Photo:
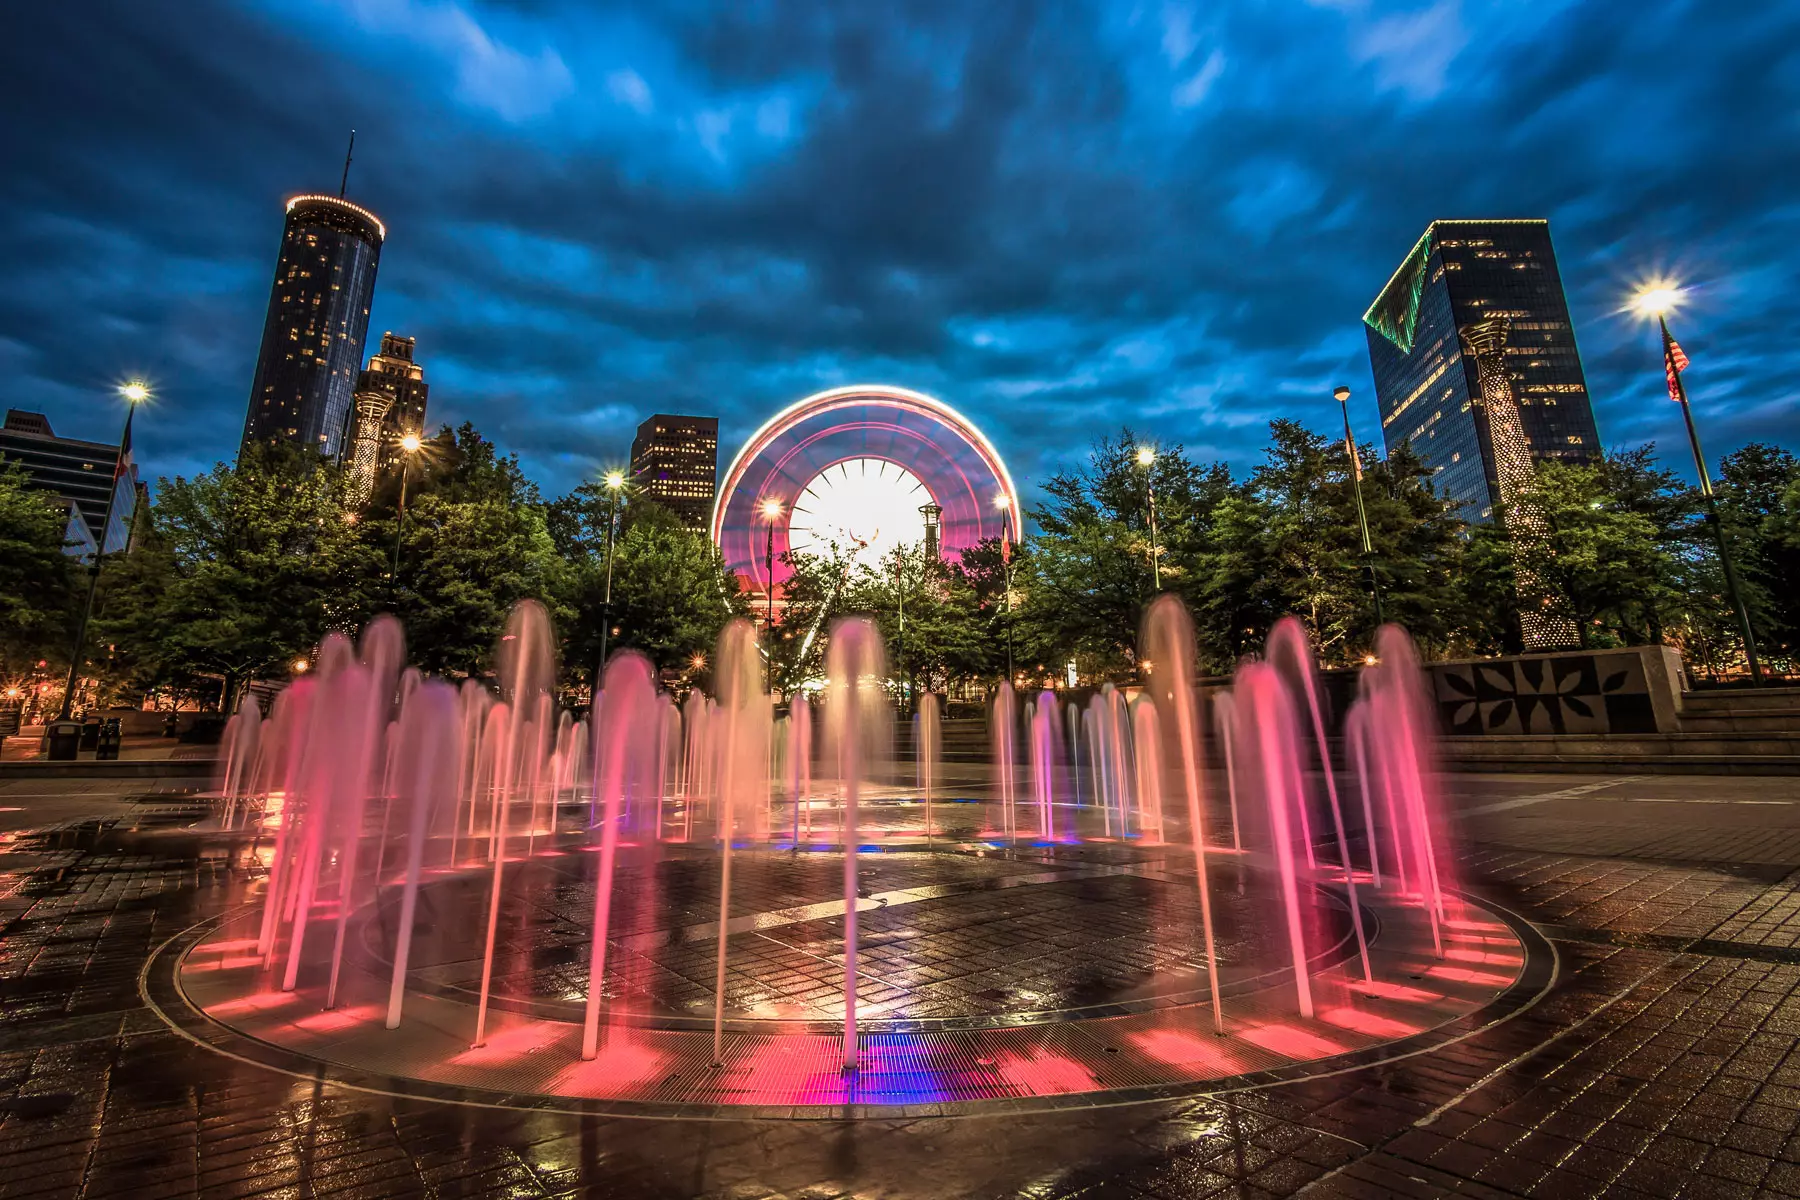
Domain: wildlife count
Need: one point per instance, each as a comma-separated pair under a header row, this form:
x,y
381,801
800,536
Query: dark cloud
x,y
1059,218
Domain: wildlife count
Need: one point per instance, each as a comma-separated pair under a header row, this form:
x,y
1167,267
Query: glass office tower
x,y
1460,275
312,339
675,462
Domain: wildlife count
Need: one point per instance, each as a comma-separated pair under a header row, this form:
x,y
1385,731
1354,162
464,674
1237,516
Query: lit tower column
x,y
934,517
365,452
1485,341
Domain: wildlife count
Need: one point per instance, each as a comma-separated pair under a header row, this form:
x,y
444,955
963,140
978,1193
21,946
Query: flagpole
x,y
1362,516
133,393
1679,394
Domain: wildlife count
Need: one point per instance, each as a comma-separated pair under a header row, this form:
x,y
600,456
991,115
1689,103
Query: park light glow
x,y
300,666
411,443
1145,456
1658,298
771,510
135,391
614,480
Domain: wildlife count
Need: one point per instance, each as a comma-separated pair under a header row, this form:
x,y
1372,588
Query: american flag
x,y
1674,363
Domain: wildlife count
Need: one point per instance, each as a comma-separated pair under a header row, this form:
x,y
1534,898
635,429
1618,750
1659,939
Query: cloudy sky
x,y
1058,217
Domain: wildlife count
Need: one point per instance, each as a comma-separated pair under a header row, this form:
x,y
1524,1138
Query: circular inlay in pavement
x,y
1029,980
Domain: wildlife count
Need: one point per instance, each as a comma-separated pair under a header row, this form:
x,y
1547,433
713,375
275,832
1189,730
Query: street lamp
x,y
1658,299
1146,458
409,446
1342,395
134,393
615,483
771,512
1004,503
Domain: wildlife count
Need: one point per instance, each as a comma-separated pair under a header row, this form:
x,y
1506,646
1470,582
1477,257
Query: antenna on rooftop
x,y
345,184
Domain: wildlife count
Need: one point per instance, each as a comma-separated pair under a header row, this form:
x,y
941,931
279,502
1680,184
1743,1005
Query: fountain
x,y
697,900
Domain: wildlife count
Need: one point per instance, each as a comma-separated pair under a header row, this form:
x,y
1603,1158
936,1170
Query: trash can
x,y
111,732
171,725
64,737
90,733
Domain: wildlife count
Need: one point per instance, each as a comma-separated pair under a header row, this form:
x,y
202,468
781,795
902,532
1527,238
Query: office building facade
x,y
675,462
312,342
390,399
1501,276
83,475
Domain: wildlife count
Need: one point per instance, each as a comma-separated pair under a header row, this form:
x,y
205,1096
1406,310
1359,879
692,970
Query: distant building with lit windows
x,y
312,340
675,462
390,402
83,476
1497,280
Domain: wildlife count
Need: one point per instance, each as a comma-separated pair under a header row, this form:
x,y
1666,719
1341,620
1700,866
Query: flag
x,y
1006,540
1674,363
1355,460
124,464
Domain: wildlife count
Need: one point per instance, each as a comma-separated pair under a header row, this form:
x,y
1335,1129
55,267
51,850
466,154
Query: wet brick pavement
x,y
1666,1062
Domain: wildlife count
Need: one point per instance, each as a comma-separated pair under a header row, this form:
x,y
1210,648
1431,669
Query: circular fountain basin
x,y
1035,980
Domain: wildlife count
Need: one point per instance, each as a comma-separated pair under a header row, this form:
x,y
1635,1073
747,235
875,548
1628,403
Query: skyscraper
x,y
1501,276
390,403
318,316
675,462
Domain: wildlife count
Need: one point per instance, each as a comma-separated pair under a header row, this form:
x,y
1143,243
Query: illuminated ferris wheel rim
x,y
851,396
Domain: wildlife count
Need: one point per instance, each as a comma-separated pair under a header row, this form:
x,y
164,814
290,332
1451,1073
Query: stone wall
x,y
1636,690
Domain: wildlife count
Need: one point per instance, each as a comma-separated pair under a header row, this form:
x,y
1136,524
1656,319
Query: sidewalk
x,y
144,747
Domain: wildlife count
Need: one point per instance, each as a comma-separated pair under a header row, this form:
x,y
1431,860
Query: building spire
x,y
344,185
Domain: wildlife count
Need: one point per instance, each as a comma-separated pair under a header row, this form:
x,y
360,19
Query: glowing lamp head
x,y
771,510
1342,394
135,392
614,480
698,662
1145,456
301,666
1658,299
411,443
1003,502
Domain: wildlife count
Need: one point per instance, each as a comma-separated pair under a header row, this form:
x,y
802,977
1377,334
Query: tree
x,y
236,571
818,590
671,592
1600,564
1759,507
476,541
1089,572
39,585
1289,541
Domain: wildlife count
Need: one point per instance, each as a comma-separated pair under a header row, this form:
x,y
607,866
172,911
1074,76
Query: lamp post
x,y
615,483
1658,300
1146,458
771,513
1342,395
1004,503
134,394
409,446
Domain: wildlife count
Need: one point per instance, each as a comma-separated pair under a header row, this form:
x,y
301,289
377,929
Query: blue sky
x,y
1057,217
